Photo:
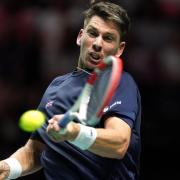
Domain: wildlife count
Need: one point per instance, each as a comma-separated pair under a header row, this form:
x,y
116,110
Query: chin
x,y
91,66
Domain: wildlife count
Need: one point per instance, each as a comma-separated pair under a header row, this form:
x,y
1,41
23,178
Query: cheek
x,y
110,49
88,44
87,41
85,45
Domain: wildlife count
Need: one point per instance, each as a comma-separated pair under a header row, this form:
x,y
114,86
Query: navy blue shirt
x,y
65,161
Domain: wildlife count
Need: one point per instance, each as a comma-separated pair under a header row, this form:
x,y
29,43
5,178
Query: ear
x,y
120,49
78,40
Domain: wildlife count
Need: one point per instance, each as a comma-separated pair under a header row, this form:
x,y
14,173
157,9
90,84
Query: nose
x,y
97,44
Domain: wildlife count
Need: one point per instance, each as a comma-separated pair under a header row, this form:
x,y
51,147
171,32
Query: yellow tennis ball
x,y
31,120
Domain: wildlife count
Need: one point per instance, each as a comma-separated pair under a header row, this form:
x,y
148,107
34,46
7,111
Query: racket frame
x,y
81,103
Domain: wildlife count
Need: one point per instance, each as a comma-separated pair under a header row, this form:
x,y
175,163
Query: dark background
x,y
37,43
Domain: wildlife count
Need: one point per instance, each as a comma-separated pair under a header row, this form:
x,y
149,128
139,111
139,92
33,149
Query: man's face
x,y
99,39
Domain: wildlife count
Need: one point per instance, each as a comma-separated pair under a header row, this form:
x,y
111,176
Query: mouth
x,y
95,58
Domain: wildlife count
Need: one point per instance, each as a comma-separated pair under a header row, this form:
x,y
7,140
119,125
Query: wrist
x,y
85,137
15,168
72,131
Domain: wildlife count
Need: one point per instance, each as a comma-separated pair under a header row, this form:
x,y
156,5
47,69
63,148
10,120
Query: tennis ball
x,y
31,120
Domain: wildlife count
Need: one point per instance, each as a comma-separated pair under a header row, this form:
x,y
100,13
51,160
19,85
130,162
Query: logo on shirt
x,y
49,104
111,106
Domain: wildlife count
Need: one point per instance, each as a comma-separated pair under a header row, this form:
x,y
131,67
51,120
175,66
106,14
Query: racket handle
x,y
65,120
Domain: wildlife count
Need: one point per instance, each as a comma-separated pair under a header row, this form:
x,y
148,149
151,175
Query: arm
x,y
28,156
112,141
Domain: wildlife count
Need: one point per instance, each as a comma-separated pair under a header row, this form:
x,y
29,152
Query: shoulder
x,y
128,82
59,79
127,78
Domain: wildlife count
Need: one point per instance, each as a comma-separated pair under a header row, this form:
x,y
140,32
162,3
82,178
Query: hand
x,y
4,170
57,134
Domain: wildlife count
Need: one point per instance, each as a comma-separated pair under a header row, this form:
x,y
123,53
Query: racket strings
x,y
97,94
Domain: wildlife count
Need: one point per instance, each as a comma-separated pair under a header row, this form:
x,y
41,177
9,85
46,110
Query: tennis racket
x,y
96,93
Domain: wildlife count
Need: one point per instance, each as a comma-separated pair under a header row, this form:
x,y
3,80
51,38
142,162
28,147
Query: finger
x,y
53,127
2,176
56,127
49,128
51,121
57,118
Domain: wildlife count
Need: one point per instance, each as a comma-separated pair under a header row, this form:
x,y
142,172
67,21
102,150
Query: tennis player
x,y
112,150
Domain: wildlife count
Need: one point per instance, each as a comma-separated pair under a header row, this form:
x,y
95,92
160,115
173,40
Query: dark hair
x,y
109,12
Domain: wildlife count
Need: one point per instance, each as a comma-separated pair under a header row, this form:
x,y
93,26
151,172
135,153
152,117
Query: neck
x,y
82,67
84,70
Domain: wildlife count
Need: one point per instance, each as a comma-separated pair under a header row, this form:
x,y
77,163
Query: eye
x,y
92,33
108,38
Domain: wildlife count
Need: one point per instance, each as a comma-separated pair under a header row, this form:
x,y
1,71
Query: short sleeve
x,y
124,103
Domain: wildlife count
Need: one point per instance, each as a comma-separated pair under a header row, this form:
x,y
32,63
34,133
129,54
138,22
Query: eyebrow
x,y
107,33
92,27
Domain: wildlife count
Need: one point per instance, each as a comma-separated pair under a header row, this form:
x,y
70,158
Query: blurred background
x,y
38,42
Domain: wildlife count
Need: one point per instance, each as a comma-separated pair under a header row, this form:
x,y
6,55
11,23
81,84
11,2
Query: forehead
x,y
103,25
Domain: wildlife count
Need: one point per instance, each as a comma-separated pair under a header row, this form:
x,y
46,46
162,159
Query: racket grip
x,y
65,120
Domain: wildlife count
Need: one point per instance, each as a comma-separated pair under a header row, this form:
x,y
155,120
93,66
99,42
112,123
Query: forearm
x,y
103,142
28,156
28,159
109,143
